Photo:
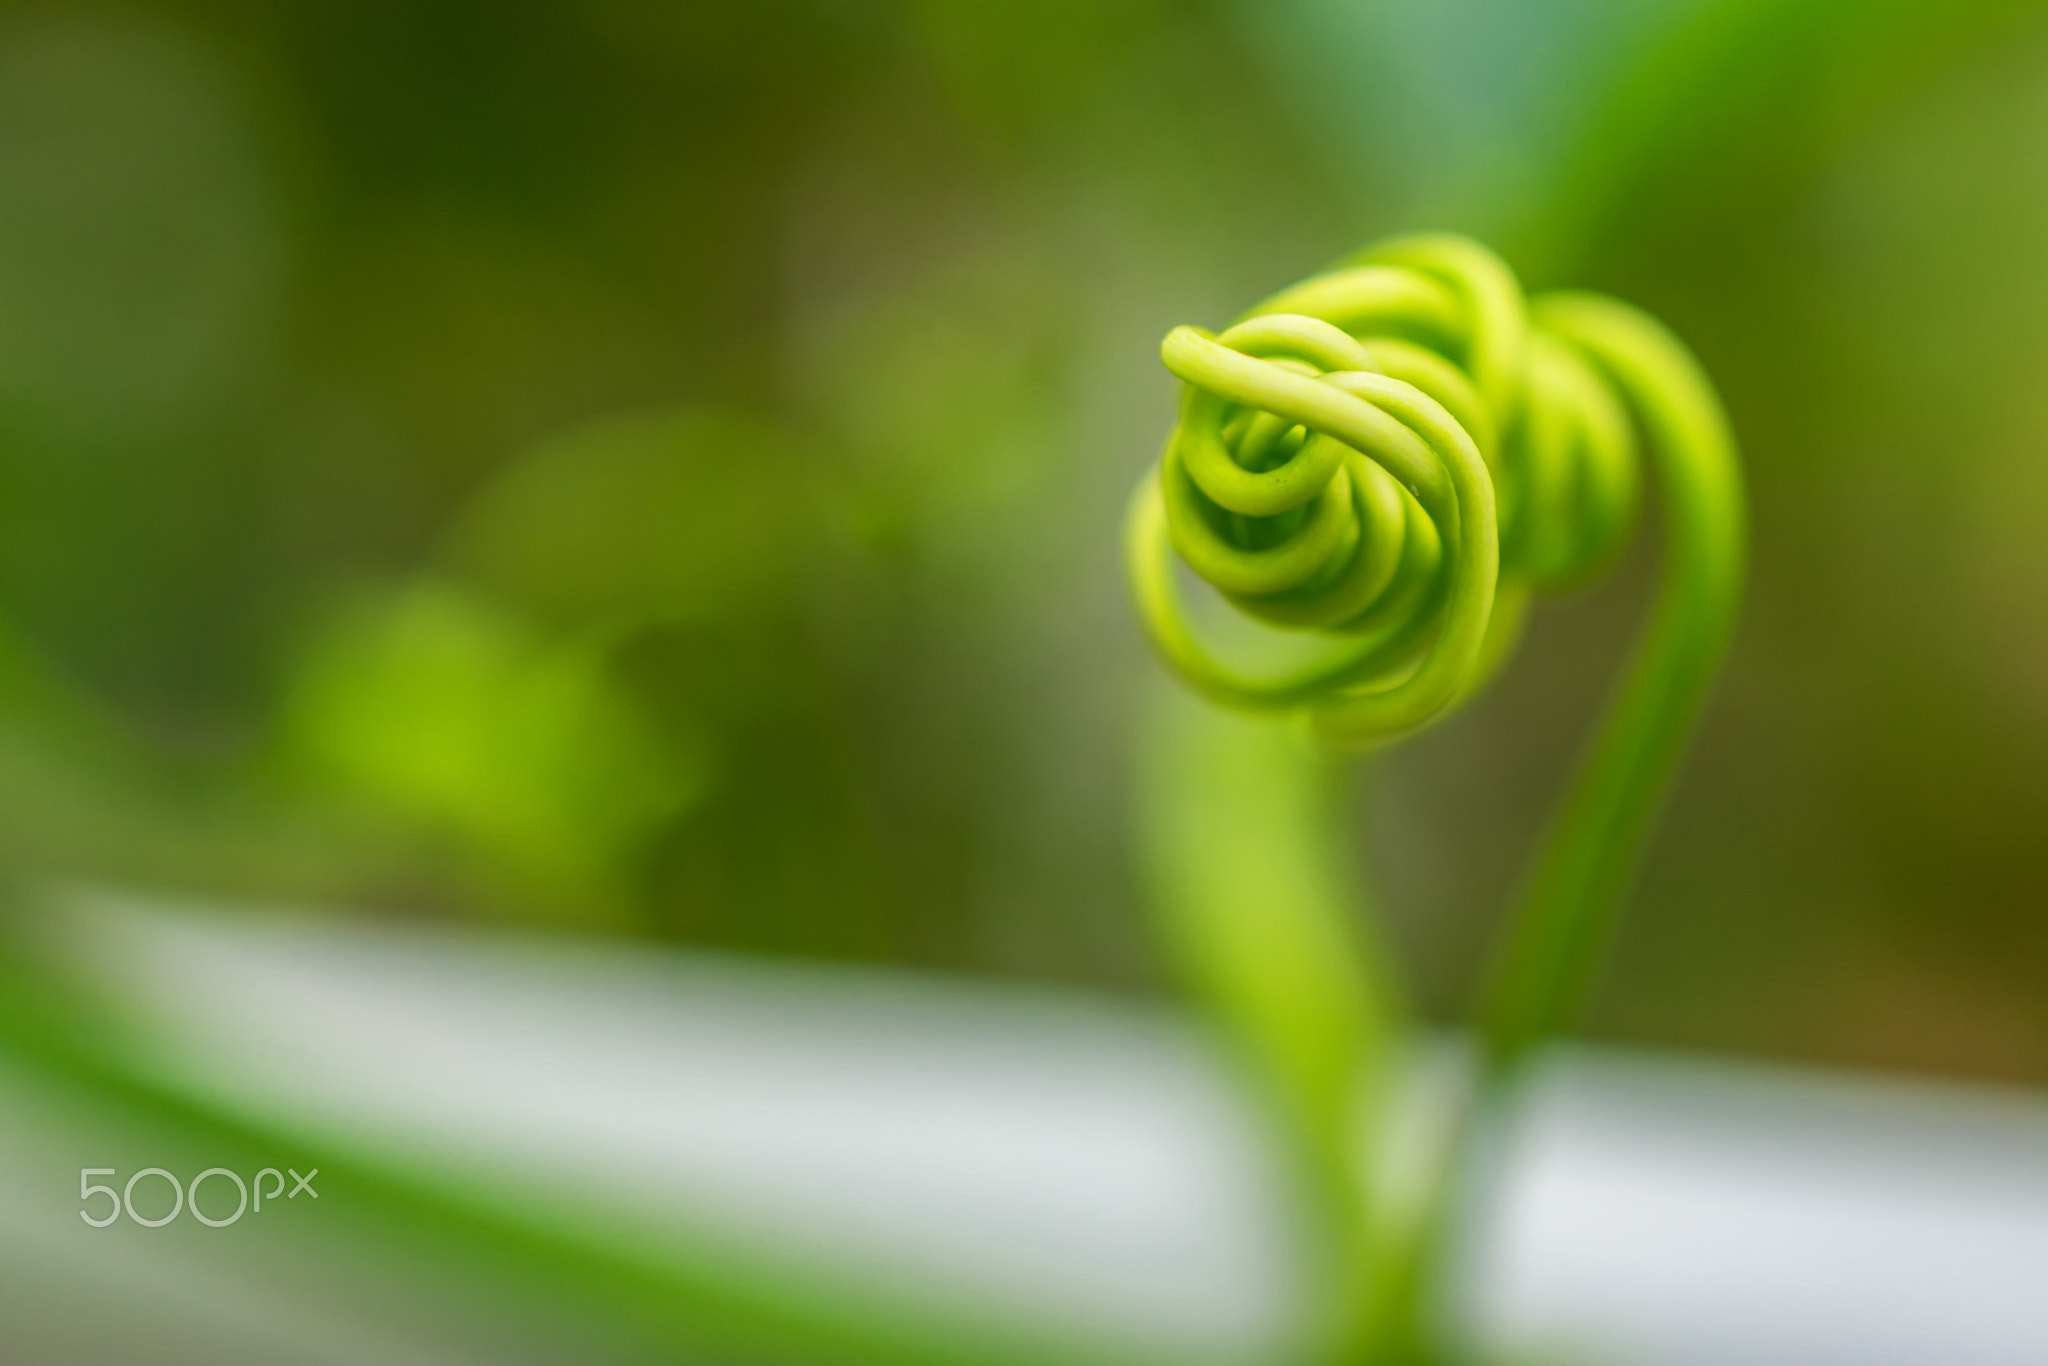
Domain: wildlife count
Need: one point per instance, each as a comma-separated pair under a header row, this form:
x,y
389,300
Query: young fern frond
x,y
1394,457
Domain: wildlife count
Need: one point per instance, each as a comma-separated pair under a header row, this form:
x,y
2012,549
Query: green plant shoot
x,y
1392,458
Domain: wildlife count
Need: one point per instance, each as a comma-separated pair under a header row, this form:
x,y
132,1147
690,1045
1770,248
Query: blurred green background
x,y
656,468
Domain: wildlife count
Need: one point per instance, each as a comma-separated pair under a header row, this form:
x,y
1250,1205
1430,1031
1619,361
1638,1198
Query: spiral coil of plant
x,y
1392,457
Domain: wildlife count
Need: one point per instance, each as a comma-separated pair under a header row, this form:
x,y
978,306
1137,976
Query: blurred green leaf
x,y
452,715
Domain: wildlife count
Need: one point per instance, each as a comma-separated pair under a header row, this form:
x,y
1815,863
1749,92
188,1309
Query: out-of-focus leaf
x,y
1756,86
1448,110
443,713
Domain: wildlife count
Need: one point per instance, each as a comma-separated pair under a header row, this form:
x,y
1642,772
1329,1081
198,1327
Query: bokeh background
x,y
655,469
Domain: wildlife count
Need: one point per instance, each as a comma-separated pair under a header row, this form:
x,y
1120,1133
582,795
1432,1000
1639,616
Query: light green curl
x,y
1391,459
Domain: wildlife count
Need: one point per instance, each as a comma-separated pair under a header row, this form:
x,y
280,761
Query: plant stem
x,y
1569,905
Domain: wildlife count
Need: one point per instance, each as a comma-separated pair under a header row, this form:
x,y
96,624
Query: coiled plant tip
x,y
1388,461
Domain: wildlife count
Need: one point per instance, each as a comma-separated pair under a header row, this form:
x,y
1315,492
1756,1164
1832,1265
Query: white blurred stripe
x,y
1082,1163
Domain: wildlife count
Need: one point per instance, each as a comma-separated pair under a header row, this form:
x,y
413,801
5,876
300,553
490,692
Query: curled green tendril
x,y
1392,458
1390,455
1394,455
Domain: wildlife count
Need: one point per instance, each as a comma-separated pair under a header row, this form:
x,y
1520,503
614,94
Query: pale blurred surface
x,y
1070,1169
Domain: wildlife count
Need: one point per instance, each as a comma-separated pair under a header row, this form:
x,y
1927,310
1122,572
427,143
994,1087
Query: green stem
x,y
1243,857
1557,933
1555,936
